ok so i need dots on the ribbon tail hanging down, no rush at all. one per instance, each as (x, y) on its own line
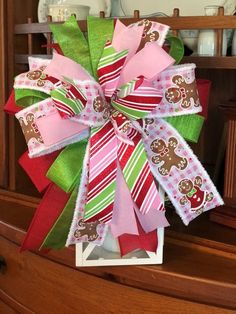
(138, 175)
(102, 174)
(179, 172)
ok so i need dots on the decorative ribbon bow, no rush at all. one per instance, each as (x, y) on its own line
(117, 144)
(130, 140)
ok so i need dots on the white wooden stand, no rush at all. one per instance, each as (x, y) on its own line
(88, 254)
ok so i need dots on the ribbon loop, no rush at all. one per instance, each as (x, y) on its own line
(69, 100)
(139, 98)
(109, 69)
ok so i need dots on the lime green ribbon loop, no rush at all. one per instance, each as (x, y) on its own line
(28, 97)
(72, 42)
(99, 31)
(66, 169)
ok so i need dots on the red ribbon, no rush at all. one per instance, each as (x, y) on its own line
(143, 241)
(37, 168)
(46, 214)
(11, 107)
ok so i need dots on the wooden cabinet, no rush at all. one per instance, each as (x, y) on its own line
(199, 270)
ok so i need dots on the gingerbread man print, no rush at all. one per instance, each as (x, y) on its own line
(30, 129)
(145, 123)
(147, 35)
(165, 156)
(100, 105)
(40, 77)
(183, 92)
(88, 229)
(194, 195)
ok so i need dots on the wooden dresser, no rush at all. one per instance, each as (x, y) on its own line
(199, 270)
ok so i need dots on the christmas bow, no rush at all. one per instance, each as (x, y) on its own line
(132, 134)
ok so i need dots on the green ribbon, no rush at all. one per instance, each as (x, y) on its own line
(57, 236)
(99, 31)
(176, 48)
(66, 169)
(72, 42)
(28, 97)
(188, 126)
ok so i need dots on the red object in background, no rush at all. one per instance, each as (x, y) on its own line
(37, 168)
(10, 106)
(204, 87)
(54, 46)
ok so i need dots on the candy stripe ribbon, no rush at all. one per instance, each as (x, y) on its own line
(109, 68)
(138, 175)
(69, 102)
(102, 174)
(136, 99)
(103, 144)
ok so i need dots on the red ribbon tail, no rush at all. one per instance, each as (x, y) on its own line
(143, 241)
(10, 106)
(37, 168)
(45, 216)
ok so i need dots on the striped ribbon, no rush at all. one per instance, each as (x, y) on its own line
(102, 173)
(137, 174)
(109, 69)
(69, 100)
(136, 98)
(119, 141)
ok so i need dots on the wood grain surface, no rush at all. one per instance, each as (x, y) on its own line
(48, 287)
(190, 270)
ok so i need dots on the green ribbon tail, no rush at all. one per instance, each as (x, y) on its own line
(99, 31)
(72, 42)
(57, 236)
(66, 169)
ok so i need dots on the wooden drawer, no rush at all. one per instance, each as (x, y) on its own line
(33, 283)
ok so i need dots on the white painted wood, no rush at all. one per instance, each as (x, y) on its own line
(92, 255)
